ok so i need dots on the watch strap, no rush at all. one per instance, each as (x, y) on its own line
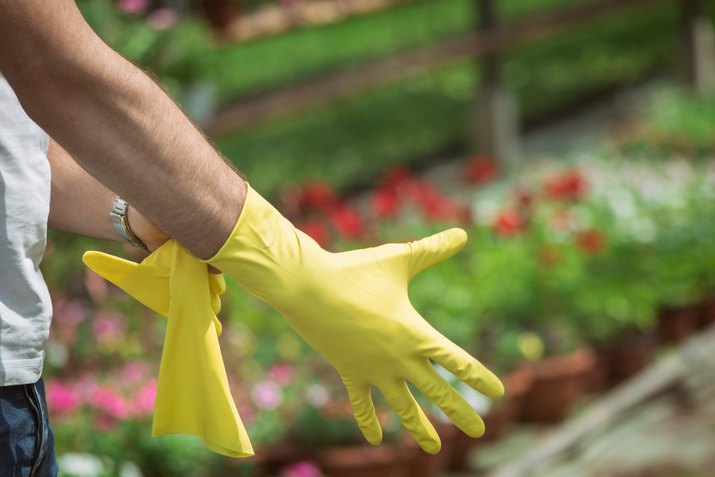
(118, 217)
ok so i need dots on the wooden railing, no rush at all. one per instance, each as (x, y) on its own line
(491, 42)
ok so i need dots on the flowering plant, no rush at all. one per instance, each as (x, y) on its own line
(165, 40)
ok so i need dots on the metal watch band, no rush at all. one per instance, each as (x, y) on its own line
(118, 217)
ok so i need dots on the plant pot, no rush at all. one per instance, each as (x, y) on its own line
(559, 381)
(599, 379)
(385, 460)
(423, 464)
(220, 13)
(676, 323)
(706, 312)
(629, 355)
(497, 421)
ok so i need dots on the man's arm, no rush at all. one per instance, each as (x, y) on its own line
(117, 123)
(80, 204)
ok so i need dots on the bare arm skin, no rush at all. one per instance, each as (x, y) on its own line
(80, 204)
(117, 123)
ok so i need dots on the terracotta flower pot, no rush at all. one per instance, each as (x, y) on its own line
(558, 382)
(630, 355)
(599, 379)
(220, 13)
(676, 323)
(706, 312)
(497, 421)
(427, 465)
(385, 460)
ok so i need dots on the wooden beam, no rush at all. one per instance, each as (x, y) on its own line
(329, 87)
(272, 20)
(688, 367)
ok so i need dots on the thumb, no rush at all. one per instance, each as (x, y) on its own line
(142, 283)
(435, 248)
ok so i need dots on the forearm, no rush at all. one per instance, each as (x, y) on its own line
(80, 204)
(117, 123)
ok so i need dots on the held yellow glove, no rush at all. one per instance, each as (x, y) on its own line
(193, 396)
(353, 308)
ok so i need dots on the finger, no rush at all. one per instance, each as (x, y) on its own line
(217, 285)
(467, 368)
(400, 398)
(144, 284)
(364, 411)
(432, 250)
(429, 382)
(108, 266)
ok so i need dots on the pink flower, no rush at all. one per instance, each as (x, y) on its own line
(282, 373)
(68, 312)
(267, 395)
(61, 397)
(144, 399)
(96, 286)
(112, 404)
(163, 18)
(133, 6)
(301, 469)
(109, 327)
(134, 372)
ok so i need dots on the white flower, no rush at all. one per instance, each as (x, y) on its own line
(317, 395)
(81, 465)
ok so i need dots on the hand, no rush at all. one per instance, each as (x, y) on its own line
(353, 308)
(193, 395)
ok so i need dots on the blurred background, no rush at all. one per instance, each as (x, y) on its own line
(574, 141)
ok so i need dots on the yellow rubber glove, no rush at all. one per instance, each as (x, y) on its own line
(193, 396)
(353, 308)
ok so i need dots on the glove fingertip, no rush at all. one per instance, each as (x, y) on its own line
(476, 430)
(432, 446)
(372, 433)
(92, 257)
(491, 385)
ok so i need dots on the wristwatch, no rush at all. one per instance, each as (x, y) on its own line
(118, 216)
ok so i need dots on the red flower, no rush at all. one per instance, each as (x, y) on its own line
(508, 223)
(549, 255)
(317, 195)
(524, 198)
(394, 178)
(591, 241)
(570, 185)
(347, 221)
(385, 204)
(481, 168)
(317, 230)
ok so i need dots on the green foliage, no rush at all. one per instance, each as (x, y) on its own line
(674, 122)
(296, 55)
(350, 140)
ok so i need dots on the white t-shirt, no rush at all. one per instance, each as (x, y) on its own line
(25, 307)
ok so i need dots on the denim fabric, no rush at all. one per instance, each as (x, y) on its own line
(27, 445)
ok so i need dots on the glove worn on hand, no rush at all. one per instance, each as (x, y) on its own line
(353, 308)
(193, 396)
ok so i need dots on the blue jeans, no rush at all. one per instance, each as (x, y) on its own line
(27, 445)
